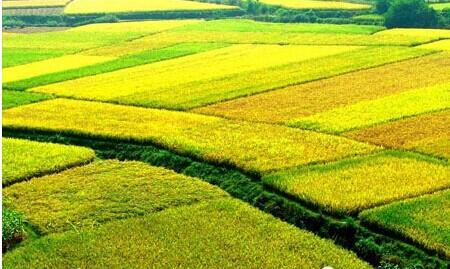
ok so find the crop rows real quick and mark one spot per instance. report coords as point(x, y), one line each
point(15, 98)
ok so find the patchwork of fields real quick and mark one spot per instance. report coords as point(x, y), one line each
point(342, 130)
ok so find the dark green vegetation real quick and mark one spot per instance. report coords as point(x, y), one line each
point(12, 227)
point(18, 56)
point(90, 195)
point(412, 14)
point(146, 57)
point(16, 98)
point(373, 247)
point(223, 233)
point(425, 220)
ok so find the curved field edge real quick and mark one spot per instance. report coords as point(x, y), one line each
point(372, 246)
point(23, 159)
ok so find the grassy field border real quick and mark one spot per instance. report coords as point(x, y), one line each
point(347, 232)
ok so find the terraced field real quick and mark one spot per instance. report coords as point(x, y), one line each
point(312, 4)
point(225, 143)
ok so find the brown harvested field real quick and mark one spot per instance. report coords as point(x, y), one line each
point(33, 11)
point(307, 99)
point(428, 133)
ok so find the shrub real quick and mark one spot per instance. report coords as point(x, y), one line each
point(382, 6)
point(12, 228)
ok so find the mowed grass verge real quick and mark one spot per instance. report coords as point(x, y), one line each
point(121, 6)
point(187, 236)
point(257, 148)
point(227, 73)
point(377, 111)
point(16, 98)
point(307, 99)
point(145, 57)
point(428, 133)
point(102, 191)
point(425, 220)
point(351, 185)
point(23, 159)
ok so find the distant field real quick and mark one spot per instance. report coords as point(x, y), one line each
point(312, 4)
point(353, 185)
point(193, 236)
point(428, 133)
point(425, 220)
point(438, 45)
point(256, 148)
point(307, 99)
point(23, 159)
point(119, 6)
point(440, 6)
point(17, 98)
point(8, 4)
point(18, 56)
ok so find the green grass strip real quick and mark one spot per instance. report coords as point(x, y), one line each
point(18, 56)
point(146, 57)
point(18, 98)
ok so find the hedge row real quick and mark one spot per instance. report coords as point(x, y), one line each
point(377, 249)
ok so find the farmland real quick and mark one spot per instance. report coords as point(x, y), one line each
point(312, 4)
point(214, 142)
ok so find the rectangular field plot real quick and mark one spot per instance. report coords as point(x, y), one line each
point(438, 45)
point(368, 113)
point(50, 66)
point(89, 36)
point(350, 186)
point(173, 83)
point(18, 56)
point(425, 220)
point(427, 133)
point(16, 98)
point(145, 57)
point(23, 159)
point(307, 99)
point(90, 195)
point(256, 148)
point(120, 6)
point(398, 32)
point(312, 4)
point(193, 236)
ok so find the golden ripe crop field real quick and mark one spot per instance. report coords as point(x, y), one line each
point(156, 84)
point(258, 148)
point(118, 6)
point(33, 3)
point(353, 185)
point(427, 133)
point(312, 4)
point(319, 96)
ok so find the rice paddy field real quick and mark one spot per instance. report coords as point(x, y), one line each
point(225, 143)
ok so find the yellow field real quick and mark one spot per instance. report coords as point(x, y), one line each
point(117, 6)
point(311, 4)
point(432, 33)
point(50, 66)
point(34, 3)
point(438, 45)
point(254, 147)
point(426, 133)
point(380, 110)
point(351, 186)
point(319, 96)
point(157, 83)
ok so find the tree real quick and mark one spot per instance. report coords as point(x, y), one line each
point(411, 14)
point(382, 6)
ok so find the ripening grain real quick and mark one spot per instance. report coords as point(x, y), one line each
point(367, 113)
point(23, 159)
point(188, 237)
point(316, 97)
point(425, 220)
point(257, 148)
point(353, 185)
point(50, 66)
point(438, 45)
point(118, 6)
point(163, 84)
point(431, 33)
point(427, 133)
point(33, 3)
point(103, 191)
point(312, 4)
